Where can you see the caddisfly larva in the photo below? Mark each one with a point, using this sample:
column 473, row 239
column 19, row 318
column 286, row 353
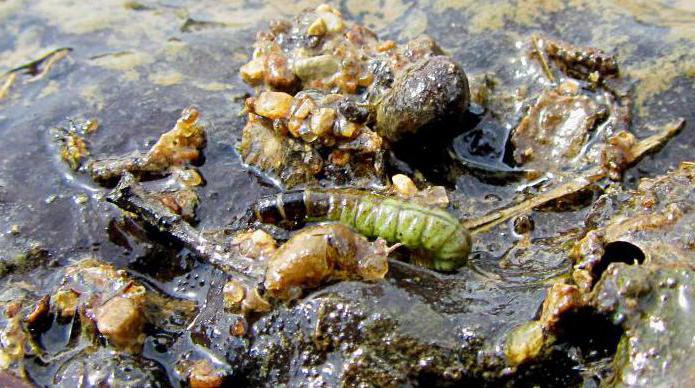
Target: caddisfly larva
column 434, row 232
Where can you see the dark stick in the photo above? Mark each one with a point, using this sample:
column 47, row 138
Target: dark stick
column 130, row 197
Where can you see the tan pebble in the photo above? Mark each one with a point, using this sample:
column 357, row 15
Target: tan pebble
column 170, row 203
column 404, row 186
column 345, row 128
column 233, row 294
column 347, row 83
column 92, row 126
column 331, row 98
column 303, row 108
column 317, row 28
column 238, row 328
column 189, row 115
column 374, row 267
column 624, row 140
column 253, row 71
column 255, row 245
column 524, row 342
column 279, row 127
column 254, row 302
column 435, row 196
column 307, row 134
column 339, row 158
column 273, row 105
column 293, row 126
column 569, row 87
column 277, row 72
column 13, row 308
column 322, row 121
column 334, row 22
column 203, row 375
column 385, row 46
column 66, row 303
column 121, row 321
column 265, row 243
column 594, row 77
column 191, row 178
column 317, row 67
column 365, row 79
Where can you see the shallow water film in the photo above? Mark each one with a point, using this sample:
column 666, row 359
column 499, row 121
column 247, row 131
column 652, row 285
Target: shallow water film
column 504, row 190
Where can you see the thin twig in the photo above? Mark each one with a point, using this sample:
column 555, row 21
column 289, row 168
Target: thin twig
column 541, row 57
column 131, row 198
column 650, row 144
column 50, row 58
column 5, row 88
column 50, row 61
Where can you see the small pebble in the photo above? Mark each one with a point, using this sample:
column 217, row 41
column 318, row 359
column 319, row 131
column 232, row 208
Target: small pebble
column 404, row 186
column 81, row 199
column 253, row 71
column 273, row 105
column 233, row 293
column 317, row 28
column 322, row 121
column 523, row 224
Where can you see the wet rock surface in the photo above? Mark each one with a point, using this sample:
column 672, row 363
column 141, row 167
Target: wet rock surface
column 640, row 255
column 132, row 67
column 652, row 304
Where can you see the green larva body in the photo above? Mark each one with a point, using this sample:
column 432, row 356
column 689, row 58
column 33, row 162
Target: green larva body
column 418, row 227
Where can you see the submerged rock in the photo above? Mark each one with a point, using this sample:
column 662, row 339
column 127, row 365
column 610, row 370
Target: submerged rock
column 639, row 257
column 108, row 368
column 652, row 305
